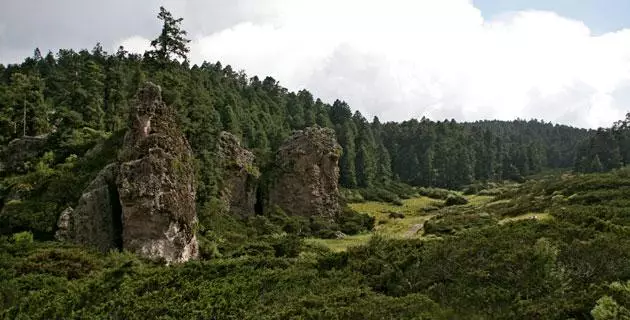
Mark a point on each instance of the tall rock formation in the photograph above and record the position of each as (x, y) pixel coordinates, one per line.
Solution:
(306, 181)
(145, 203)
(156, 183)
(240, 175)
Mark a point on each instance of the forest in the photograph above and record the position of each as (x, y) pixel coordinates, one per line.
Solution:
(520, 219)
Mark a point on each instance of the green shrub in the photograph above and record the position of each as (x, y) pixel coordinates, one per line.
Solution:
(453, 223)
(391, 192)
(382, 195)
(352, 222)
(323, 227)
(288, 246)
(455, 200)
(260, 248)
(434, 193)
(23, 238)
(351, 196)
(208, 249)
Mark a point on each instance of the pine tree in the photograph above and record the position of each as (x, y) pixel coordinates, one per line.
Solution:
(383, 165)
(229, 120)
(596, 165)
(365, 162)
(347, 167)
(426, 172)
(90, 95)
(463, 168)
(28, 110)
(172, 41)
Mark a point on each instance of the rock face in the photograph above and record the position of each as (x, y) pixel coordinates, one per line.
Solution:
(96, 221)
(240, 175)
(64, 226)
(307, 174)
(156, 183)
(18, 151)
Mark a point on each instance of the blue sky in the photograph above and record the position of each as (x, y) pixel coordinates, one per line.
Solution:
(600, 15)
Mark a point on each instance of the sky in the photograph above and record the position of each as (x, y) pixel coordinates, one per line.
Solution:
(563, 61)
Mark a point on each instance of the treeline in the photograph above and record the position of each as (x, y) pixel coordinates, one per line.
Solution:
(73, 90)
(447, 154)
(607, 149)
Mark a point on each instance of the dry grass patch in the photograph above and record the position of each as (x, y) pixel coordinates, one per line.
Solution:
(533, 215)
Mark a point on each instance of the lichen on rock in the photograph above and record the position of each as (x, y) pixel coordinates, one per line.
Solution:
(156, 183)
(306, 179)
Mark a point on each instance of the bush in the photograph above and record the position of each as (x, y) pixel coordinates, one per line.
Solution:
(288, 246)
(480, 187)
(352, 222)
(391, 192)
(351, 196)
(289, 224)
(431, 208)
(23, 238)
(455, 200)
(396, 215)
(381, 195)
(434, 193)
(208, 249)
(452, 223)
(323, 228)
(258, 249)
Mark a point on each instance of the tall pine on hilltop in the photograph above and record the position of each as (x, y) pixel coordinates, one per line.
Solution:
(172, 41)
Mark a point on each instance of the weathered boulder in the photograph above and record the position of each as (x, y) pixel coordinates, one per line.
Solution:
(307, 174)
(240, 175)
(14, 156)
(64, 225)
(156, 183)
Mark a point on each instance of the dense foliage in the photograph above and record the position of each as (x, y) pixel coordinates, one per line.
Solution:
(574, 264)
(607, 149)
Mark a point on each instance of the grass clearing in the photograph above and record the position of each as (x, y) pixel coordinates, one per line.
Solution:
(338, 245)
(411, 226)
(477, 200)
(413, 209)
(386, 226)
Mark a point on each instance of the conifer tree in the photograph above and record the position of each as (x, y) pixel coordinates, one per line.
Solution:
(596, 165)
(27, 112)
(347, 167)
(172, 40)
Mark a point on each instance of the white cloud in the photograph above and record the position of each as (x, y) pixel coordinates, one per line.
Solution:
(135, 44)
(438, 58)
